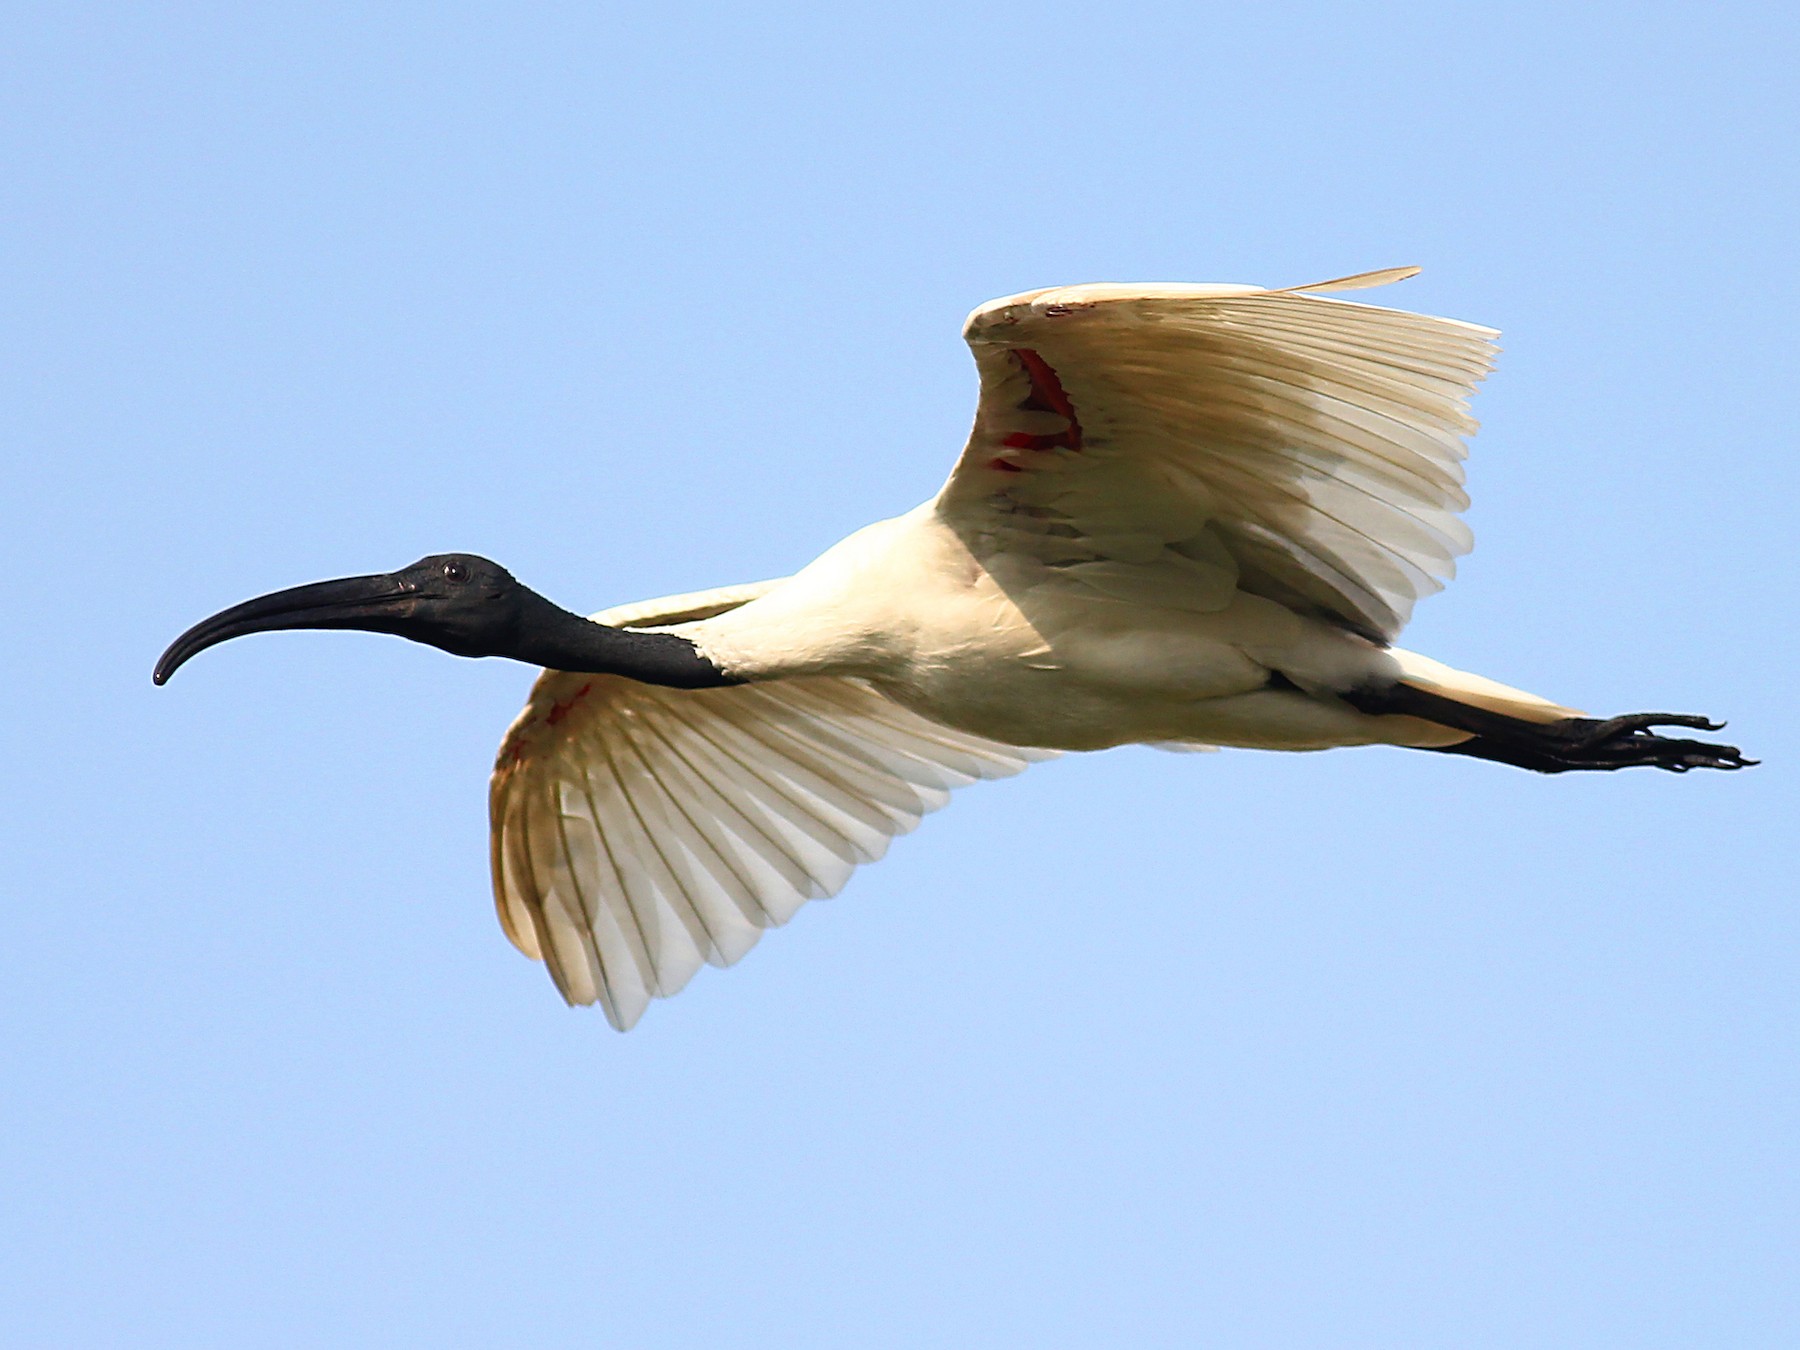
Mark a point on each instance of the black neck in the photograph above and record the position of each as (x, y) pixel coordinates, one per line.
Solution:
(548, 635)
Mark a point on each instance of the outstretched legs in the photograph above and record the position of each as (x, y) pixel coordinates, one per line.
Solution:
(1560, 746)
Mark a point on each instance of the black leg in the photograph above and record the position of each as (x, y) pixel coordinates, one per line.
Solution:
(1561, 746)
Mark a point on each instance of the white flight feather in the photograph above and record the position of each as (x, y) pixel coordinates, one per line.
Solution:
(1319, 440)
(641, 832)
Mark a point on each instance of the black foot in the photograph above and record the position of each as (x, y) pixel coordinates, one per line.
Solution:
(1614, 743)
(1559, 747)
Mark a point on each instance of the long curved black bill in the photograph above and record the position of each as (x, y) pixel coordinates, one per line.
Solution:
(376, 604)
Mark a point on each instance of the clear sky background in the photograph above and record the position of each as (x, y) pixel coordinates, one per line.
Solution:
(1361, 1049)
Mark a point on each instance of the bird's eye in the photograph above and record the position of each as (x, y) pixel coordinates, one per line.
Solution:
(455, 572)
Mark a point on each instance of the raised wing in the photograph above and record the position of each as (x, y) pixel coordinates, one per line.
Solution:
(1171, 444)
(639, 831)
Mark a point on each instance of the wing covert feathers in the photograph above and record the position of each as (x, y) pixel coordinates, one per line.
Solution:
(638, 832)
(690, 607)
(1225, 437)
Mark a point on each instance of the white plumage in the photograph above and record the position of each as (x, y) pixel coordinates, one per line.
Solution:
(1186, 514)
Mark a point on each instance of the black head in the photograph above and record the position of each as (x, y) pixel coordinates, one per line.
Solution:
(461, 603)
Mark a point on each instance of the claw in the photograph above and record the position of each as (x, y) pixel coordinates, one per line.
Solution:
(1628, 742)
(1631, 724)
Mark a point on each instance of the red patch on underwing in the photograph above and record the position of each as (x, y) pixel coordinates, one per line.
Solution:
(1047, 395)
(562, 709)
(1024, 440)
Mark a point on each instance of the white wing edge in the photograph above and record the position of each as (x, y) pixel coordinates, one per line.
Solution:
(689, 607)
(988, 322)
(1360, 281)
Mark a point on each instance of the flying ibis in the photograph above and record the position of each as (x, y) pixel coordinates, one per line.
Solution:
(1187, 515)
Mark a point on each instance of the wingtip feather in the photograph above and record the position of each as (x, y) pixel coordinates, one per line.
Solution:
(1360, 281)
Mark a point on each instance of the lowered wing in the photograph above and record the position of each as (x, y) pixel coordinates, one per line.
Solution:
(638, 831)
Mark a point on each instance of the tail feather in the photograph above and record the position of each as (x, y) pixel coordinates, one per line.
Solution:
(1476, 691)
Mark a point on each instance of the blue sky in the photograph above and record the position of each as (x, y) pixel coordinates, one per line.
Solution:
(1358, 1049)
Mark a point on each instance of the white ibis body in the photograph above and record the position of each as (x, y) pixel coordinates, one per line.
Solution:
(1186, 515)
